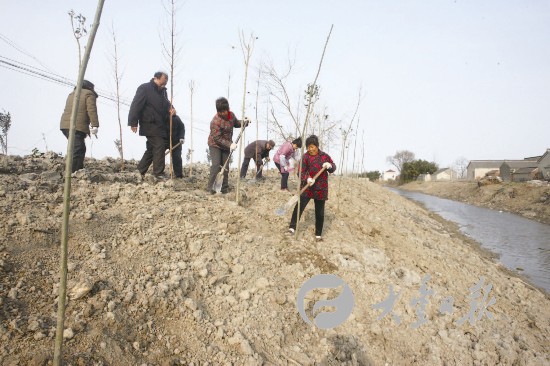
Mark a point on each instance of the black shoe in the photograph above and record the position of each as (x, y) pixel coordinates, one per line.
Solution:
(161, 177)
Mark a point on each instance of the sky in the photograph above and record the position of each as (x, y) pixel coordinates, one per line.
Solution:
(443, 79)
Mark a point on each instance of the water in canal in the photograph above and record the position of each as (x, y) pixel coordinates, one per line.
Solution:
(522, 244)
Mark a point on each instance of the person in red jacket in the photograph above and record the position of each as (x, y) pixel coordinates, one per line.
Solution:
(220, 141)
(312, 162)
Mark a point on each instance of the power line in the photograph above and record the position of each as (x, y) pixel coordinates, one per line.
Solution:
(52, 77)
(18, 48)
(49, 76)
(49, 70)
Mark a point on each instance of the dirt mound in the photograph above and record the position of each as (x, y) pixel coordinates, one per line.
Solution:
(529, 199)
(162, 273)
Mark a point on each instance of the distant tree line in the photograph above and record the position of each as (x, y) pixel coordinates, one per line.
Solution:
(373, 175)
(409, 167)
(411, 170)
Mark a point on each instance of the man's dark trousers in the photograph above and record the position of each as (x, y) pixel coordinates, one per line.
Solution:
(153, 154)
(79, 151)
(177, 161)
(244, 168)
(218, 158)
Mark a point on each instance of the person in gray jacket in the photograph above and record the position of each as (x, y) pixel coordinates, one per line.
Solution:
(257, 150)
(86, 116)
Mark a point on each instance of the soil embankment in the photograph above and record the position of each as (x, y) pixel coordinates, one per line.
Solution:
(166, 274)
(531, 200)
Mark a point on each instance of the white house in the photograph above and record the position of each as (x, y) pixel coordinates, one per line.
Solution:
(424, 177)
(389, 175)
(477, 168)
(444, 174)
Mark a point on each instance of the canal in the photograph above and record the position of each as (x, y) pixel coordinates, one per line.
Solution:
(523, 245)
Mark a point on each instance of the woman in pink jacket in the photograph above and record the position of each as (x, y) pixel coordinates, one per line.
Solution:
(282, 157)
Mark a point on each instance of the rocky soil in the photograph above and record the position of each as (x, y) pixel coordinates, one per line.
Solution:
(529, 199)
(162, 273)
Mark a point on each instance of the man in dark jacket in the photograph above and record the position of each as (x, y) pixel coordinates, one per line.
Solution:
(86, 116)
(178, 137)
(150, 109)
(258, 150)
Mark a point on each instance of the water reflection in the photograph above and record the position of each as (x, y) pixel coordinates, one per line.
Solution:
(522, 244)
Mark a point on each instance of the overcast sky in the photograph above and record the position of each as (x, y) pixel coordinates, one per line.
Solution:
(443, 79)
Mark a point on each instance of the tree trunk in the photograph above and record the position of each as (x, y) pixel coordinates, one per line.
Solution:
(311, 90)
(58, 350)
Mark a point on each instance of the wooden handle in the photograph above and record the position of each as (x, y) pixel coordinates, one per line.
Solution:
(231, 152)
(173, 147)
(314, 177)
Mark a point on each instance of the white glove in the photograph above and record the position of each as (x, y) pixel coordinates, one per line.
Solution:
(246, 121)
(327, 165)
(285, 168)
(93, 131)
(310, 181)
(182, 141)
(233, 146)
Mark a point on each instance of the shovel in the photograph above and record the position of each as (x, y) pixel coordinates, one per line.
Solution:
(254, 180)
(173, 147)
(292, 201)
(219, 177)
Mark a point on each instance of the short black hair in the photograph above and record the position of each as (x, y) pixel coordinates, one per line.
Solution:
(312, 140)
(297, 142)
(87, 85)
(222, 104)
(159, 74)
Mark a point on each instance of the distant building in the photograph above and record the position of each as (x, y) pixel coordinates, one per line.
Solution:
(509, 167)
(544, 165)
(478, 168)
(533, 167)
(524, 174)
(444, 174)
(424, 177)
(532, 158)
(389, 175)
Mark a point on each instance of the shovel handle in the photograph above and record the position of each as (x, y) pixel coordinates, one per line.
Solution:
(314, 177)
(281, 211)
(231, 152)
(173, 147)
(261, 166)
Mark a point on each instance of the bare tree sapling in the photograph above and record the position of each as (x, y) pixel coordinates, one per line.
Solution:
(5, 124)
(58, 348)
